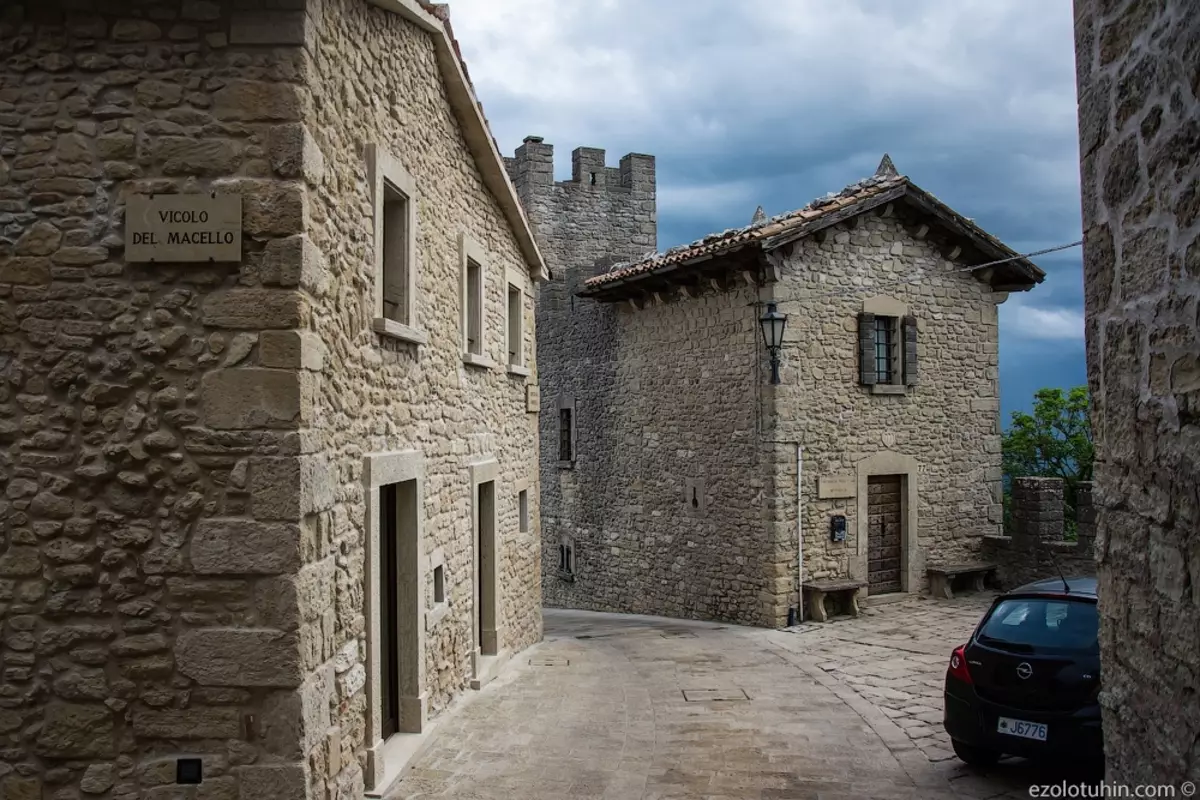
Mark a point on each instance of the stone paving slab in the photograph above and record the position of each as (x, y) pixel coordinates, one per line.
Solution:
(846, 709)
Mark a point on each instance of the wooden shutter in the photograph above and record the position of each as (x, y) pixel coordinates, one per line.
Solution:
(866, 349)
(909, 331)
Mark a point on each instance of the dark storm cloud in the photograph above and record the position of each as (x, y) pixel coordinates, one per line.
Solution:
(776, 102)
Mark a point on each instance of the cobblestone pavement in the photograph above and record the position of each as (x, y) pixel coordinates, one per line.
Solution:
(641, 708)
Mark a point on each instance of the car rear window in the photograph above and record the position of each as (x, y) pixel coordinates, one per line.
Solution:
(1029, 625)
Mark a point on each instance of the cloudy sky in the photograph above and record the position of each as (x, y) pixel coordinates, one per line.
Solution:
(776, 102)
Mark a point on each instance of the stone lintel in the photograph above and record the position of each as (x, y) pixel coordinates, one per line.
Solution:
(234, 546)
(291, 350)
(239, 657)
(238, 399)
(249, 308)
(290, 488)
(295, 261)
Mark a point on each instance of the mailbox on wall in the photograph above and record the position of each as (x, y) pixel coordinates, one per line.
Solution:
(837, 528)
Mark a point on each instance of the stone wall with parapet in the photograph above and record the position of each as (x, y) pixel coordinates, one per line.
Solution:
(375, 82)
(1139, 137)
(1037, 548)
(599, 216)
(148, 541)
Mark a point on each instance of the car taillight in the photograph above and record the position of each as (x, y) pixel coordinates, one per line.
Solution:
(958, 665)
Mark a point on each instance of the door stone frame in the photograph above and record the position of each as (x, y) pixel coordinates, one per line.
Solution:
(381, 469)
(483, 665)
(911, 556)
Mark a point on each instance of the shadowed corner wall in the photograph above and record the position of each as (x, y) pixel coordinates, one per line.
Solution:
(1139, 132)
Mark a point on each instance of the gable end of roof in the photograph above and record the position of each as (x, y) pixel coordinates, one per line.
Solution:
(435, 20)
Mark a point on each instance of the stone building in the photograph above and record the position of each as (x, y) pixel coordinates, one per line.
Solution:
(268, 358)
(601, 215)
(1139, 133)
(670, 465)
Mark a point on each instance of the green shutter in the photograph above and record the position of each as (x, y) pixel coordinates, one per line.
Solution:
(910, 351)
(866, 349)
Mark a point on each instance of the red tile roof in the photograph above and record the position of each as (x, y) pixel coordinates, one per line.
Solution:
(736, 238)
(882, 187)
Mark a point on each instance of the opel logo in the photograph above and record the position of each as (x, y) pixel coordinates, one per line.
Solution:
(1024, 670)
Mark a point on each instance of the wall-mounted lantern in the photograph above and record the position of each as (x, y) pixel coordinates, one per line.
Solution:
(773, 323)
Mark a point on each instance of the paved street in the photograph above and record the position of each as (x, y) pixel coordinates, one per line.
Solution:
(641, 708)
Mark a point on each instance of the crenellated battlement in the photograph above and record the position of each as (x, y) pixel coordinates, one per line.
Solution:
(533, 166)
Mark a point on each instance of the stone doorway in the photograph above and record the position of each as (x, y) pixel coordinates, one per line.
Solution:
(399, 614)
(395, 608)
(485, 574)
(885, 533)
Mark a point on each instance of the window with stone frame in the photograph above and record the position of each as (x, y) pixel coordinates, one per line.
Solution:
(887, 350)
(394, 201)
(516, 327)
(474, 282)
(566, 447)
(566, 431)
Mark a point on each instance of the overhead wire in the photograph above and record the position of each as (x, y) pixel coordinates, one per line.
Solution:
(918, 278)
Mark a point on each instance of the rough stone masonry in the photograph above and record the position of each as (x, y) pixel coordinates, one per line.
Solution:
(678, 492)
(1138, 65)
(184, 532)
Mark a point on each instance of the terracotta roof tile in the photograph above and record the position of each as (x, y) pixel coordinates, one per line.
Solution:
(736, 238)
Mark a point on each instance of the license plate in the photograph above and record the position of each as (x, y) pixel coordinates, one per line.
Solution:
(1019, 727)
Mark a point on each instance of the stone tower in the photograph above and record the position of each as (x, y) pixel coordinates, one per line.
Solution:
(601, 216)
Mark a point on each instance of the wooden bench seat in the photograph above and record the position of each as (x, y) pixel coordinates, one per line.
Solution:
(817, 591)
(942, 576)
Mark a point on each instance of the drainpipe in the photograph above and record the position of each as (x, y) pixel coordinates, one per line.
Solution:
(799, 534)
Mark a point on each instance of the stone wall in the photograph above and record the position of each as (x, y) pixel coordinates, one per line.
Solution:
(946, 428)
(1139, 128)
(1036, 549)
(147, 586)
(601, 213)
(681, 516)
(682, 499)
(183, 529)
(375, 81)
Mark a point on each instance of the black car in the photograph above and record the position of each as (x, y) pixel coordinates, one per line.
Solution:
(1028, 681)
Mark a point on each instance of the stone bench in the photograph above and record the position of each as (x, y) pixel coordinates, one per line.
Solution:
(817, 591)
(942, 577)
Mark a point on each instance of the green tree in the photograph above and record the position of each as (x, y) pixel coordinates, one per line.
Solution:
(1055, 441)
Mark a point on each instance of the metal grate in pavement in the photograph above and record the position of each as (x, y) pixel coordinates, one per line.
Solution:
(549, 661)
(715, 695)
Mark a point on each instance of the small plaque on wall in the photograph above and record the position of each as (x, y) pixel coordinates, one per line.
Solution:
(532, 399)
(837, 486)
(183, 227)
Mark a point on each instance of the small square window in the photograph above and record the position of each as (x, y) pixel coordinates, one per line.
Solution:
(189, 771)
(439, 584)
(523, 510)
(516, 320)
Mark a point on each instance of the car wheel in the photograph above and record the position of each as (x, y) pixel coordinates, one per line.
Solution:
(975, 756)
